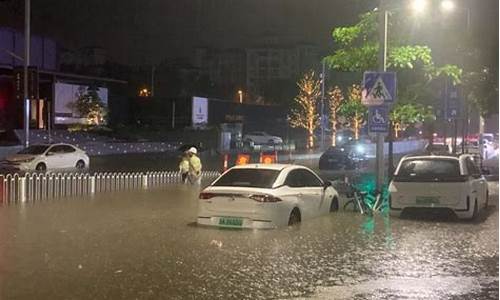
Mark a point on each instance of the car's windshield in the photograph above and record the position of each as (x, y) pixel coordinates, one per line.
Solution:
(429, 169)
(35, 149)
(259, 178)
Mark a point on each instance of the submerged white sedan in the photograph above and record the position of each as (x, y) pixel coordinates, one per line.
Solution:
(265, 196)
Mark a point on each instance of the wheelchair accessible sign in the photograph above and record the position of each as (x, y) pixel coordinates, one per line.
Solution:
(378, 119)
(379, 92)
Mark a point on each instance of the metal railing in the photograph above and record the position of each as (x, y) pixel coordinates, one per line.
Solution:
(33, 187)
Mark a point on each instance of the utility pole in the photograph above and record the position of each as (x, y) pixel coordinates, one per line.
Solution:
(152, 81)
(323, 79)
(382, 29)
(27, 17)
(465, 116)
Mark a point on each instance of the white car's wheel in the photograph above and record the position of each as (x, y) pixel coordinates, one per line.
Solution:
(294, 217)
(475, 212)
(41, 167)
(334, 205)
(80, 164)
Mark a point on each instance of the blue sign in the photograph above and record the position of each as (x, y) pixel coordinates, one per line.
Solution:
(378, 119)
(452, 101)
(379, 88)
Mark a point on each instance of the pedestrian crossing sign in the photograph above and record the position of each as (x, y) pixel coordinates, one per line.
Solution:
(378, 88)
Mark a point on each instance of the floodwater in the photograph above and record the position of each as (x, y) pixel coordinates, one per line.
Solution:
(144, 245)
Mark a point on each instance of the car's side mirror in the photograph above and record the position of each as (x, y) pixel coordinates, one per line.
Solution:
(327, 184)
(49, 154)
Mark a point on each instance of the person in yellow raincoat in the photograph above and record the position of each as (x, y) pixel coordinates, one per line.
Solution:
(184, 167)
(195, 166)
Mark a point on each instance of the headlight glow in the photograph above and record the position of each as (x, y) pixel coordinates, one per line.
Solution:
(26, 160)
(360, 148)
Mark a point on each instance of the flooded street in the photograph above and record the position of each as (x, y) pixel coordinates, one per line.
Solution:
(144, 245)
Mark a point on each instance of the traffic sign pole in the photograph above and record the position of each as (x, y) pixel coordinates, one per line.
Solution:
(379, 165)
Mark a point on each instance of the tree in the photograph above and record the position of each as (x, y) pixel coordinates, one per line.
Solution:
(353, 110)
(357, 49)
(89, 106)
(335, 100)
(304, 114)
(481, 88)
(404, 115)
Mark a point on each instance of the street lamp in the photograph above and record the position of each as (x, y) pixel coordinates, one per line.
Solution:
(419, 6)
(240, 94)
(447, 5)
(27, 35)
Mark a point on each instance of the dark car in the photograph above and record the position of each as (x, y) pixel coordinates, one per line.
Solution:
(338, 158)
(437, 149)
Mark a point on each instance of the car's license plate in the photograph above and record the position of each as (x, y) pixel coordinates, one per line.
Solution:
(427, 200)
(235, 222)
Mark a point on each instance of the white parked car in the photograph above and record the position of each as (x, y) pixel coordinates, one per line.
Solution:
(260, 138)
(438, 182)
(265, 196)
(48, 156)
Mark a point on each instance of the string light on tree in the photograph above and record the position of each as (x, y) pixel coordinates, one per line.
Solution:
(304, 114)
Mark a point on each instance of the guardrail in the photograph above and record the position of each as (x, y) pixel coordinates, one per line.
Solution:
(34, 187)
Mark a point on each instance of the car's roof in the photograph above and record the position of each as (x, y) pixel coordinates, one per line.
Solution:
(278, 167)
(53, 144)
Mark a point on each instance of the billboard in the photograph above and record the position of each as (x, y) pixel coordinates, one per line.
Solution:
(65, 97)
(200, 111)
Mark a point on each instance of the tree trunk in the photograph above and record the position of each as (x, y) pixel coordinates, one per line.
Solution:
(310, 138)
(334, 130)
(356, 127)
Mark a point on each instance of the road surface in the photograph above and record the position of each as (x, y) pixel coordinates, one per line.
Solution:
(144, 245)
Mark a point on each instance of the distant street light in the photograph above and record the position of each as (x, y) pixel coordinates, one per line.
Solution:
(419, 6)
(447, 5)
(144, 92)
(240, 94)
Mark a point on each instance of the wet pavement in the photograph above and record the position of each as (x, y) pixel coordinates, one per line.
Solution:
(144, 245)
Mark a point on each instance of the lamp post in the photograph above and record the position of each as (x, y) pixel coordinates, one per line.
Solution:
(382, 30)
(27, 17)
(153, 69)
(449, 6)
(417, 6)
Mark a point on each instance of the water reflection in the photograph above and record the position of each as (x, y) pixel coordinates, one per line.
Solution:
(139, 245)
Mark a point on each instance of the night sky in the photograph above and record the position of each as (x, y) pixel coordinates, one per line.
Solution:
(149, 31)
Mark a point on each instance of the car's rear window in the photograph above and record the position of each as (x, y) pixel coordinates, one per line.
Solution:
(429, 170)
(259, 178)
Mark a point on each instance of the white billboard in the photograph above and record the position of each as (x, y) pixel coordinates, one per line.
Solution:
(65, 97)
(200, 111)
